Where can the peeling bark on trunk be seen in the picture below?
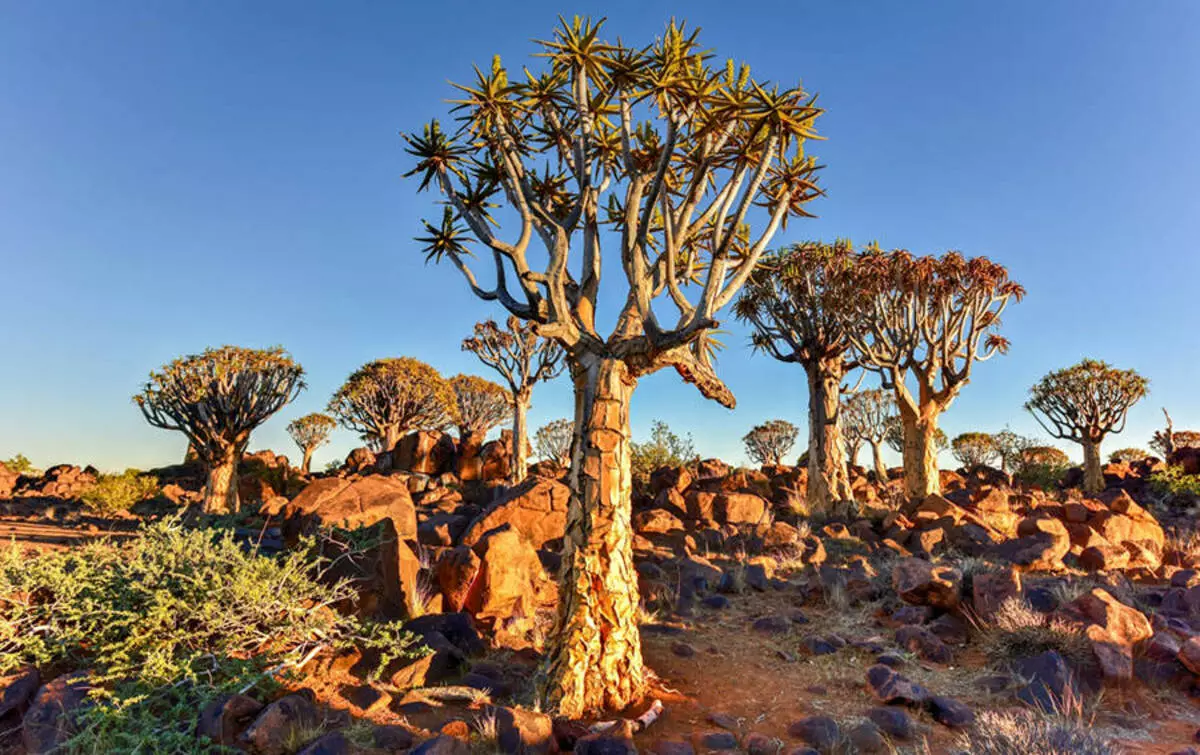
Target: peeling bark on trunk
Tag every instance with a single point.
(595, 659)
(828, 480)
(391, 437)
(306, 464)
(881, 474)
(1093, 474)
(221, 492)
(520, 448)
(921, 477)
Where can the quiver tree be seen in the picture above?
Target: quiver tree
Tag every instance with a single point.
(866, 417)
(387, 398)
(922, 323)
(769, 442)
(523, 359)
(310, 432)
(1010, 449)
(553, 440)
(1083, 404)
(693, 170)
(482, 405)
(974, 449)
(216, 399)
(792, 301)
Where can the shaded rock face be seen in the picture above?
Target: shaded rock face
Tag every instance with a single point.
(52, 716)
(537, 509)
(919, 582)
(8, 480)
(424, 452)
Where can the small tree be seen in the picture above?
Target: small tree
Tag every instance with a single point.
(692, 169)
(1083, 404)
(216, 399)
(1010, 448)
(482, 405)
(553, 441)
(793, 301)
(922, 323)
(974, 449)
(1043, 466)
(664, 449)
(769, 442)
(523, 359)
(310, 432)
(1166, 442)
(1128, 455)
(852, 443)
(387, 398)
(866, 416)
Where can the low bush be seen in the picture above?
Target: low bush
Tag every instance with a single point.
(1019, 631)
(114, 493)
(664, 449)
(167, 622)
(1026, 733)
(21, 465)
(1172, 482)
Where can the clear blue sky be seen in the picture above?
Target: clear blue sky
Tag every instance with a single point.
(175, 175)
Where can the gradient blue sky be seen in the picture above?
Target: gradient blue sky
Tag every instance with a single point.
(178, 174)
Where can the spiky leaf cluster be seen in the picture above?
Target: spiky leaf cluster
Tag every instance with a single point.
(1085, 402)
(216, 398)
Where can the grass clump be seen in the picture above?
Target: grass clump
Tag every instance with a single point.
(1026, 733)
(1018, 631)
(167, 622)
(115, 493)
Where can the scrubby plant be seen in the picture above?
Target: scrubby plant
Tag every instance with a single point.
(1042, 467)
(216, 399)
(1029, 733)
(20, 464)
(524, 359)
(387, 398)
(866, 417)
(310, 432)
(482, 405)
(114, 493)
(974, 449)
(168, 621)
(653, 181)
(921, 324)
(1128, 455)
(1018, 631)
(769, 442)
(1084, 404)
(553, 440)
(1172, 482)
(664, 449)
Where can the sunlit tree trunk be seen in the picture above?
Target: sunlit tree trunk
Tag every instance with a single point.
(520, 449)
(921, 477)
(881, 475)
(391, 436)
(306, 464)
(828, 480)
(1093, 475)
(595, 660)
(221, 492)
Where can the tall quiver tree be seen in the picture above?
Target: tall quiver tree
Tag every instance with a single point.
(482, 405)
(682, 162)
(922, 323)
(310, 432)
(387, 398)
(1083, 404)
(792, 301)
(523, 359)
(216, 399)
(866, 417)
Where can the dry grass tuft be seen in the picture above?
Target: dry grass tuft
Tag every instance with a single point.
(1018, 631)
(1026, 733)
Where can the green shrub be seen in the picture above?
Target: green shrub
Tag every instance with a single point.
(1173, 482)
(167, 622)
(1128, 454)
(113, 493)
(20, 465)
(664, 449)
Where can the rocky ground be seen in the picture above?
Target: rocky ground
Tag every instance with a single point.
(884, 625)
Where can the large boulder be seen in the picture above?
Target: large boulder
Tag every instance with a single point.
(1042, 544)
(53, 715)
(1113, 628)
(921, 583)
(350, 504)
(537, 508)
(510, 589)
(427, 452)
(8, 480)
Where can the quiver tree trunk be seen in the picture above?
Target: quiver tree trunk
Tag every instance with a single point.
(828, 479)
(520, 447)
(881, 475)
(921, 477)
(306, 464)
(595, 659)
(221, 491)
(1093, 474)
(391, 436)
